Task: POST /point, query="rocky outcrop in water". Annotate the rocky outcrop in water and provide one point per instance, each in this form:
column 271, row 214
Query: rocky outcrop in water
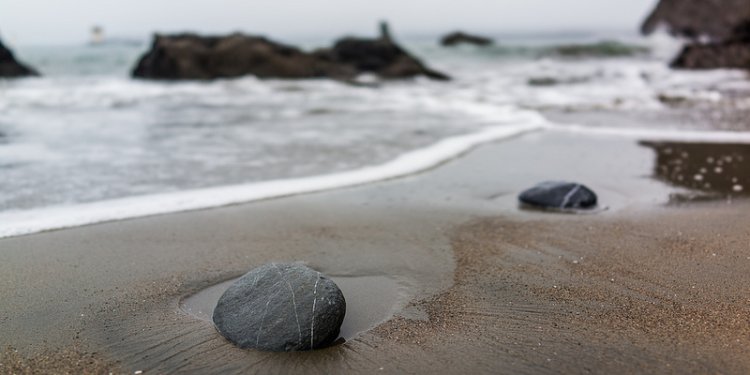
column 732, row 53
column 281, row 307
column 459, row 37
column 381, row 56
column 715, row 19
column 10, row 67
column 190, row 56
column 720, row 30
column 559, row 195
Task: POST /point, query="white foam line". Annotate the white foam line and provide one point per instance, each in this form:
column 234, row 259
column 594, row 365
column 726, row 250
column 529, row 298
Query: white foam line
column 659, row 134
column 16, row 223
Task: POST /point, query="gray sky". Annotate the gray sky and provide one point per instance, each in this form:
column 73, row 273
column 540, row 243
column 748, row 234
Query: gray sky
column 61, row 22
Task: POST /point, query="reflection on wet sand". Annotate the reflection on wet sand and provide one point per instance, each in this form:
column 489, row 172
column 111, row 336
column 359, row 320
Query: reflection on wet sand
column 711, row 171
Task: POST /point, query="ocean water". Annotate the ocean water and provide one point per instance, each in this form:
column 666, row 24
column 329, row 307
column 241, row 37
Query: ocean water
column 86, row 143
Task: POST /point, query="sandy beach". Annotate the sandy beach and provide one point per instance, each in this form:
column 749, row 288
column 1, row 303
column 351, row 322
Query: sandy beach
column 650, row 283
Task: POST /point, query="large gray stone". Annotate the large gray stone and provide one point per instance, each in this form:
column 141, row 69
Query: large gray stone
column 281, row 307
column 559, row 195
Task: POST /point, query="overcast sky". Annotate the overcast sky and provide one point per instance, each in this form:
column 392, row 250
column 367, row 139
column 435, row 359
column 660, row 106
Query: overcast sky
column 60, row 22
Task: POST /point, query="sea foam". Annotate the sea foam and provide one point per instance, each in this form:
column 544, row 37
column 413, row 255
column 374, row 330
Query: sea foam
column 16, row 223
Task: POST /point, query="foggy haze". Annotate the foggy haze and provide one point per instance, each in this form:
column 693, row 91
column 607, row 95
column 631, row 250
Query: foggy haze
column 24, row 22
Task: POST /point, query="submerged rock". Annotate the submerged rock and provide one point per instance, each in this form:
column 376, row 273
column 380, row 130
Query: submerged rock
column 281, row 307
column 190, row 56
column 559, row 195
column 459, row 37
column 715, row 19
column 10, row 67
column 605, row 48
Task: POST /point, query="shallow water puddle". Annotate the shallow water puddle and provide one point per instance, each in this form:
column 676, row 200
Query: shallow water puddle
column 370, row 300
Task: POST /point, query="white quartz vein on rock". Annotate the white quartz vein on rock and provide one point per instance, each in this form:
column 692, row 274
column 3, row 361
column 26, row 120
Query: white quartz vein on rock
column 570, row 195
column 294, row 302
column 265, row 311
column 312, row 316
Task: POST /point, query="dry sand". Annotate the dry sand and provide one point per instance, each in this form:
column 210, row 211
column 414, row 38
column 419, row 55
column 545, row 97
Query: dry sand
column 644, row 286
column 659, row 293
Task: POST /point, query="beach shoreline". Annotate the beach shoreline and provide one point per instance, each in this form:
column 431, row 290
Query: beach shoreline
column 486, row 287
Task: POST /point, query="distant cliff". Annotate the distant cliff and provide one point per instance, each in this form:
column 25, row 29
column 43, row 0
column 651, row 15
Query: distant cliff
column 715, row 19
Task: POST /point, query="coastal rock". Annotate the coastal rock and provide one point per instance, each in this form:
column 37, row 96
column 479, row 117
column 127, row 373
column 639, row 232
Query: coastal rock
column 10, row 67
column 720, row 30
column 714, row 56
column 732, row 53
column 281, row 307
column 459, row 37
column 190, row 56
column 559, row 195
column 714, row 19
column 381, row 56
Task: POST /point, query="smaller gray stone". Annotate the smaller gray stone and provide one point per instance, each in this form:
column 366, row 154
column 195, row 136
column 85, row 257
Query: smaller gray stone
column 281, row 307
column 559, row 195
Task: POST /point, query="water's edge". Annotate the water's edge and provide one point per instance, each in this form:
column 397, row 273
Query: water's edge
column 17, row 223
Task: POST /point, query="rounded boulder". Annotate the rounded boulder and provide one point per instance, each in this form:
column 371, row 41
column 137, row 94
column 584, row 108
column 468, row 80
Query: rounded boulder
column 281, row 307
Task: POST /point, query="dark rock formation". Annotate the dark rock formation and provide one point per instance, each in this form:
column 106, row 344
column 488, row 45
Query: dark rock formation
column 10, row 67
column 715, row 19
column 281, row 307
column 714, row 56
column 720, row 30
column 733, row 52
column 458, row 37
column 559, row 195
column 189, row 56
column 381, row 56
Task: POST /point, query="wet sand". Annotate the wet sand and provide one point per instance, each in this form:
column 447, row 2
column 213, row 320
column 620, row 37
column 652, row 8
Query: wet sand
column 643, row 285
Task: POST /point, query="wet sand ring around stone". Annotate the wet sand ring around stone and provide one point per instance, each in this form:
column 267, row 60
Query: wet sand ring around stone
column 371, row 300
